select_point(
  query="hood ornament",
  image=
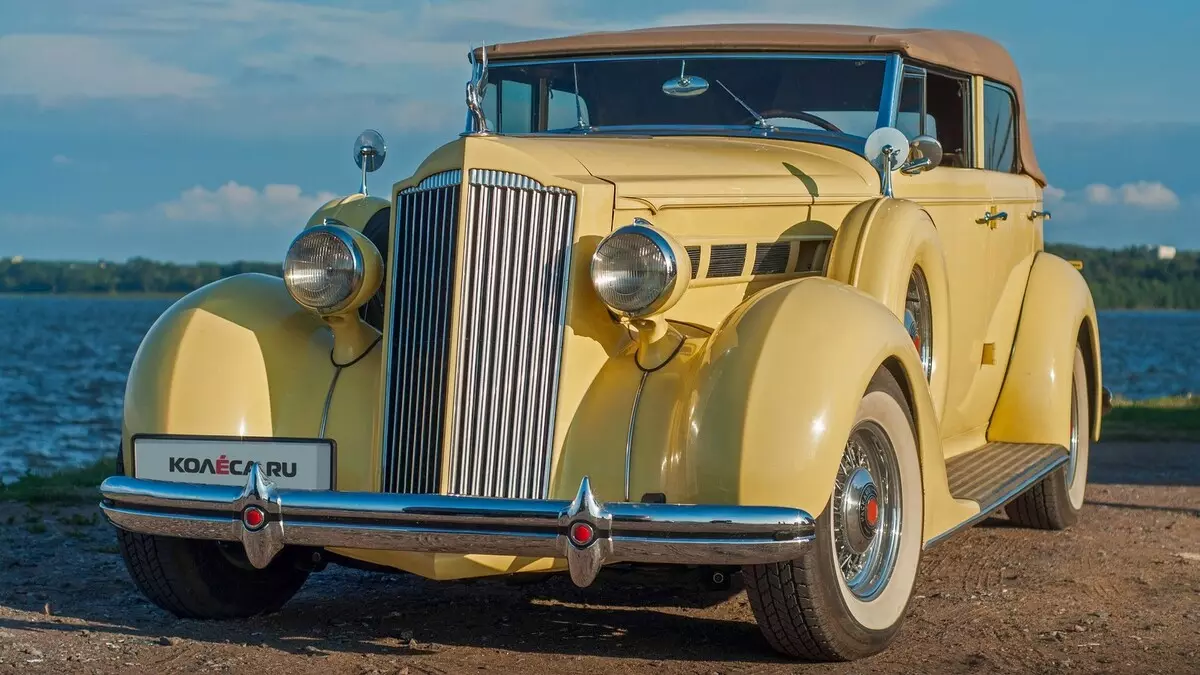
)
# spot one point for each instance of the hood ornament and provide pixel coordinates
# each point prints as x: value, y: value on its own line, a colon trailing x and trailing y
x: 476, y: 119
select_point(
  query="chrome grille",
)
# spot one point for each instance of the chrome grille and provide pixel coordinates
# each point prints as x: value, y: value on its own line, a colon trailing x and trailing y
x: 512, y: 307
x: 422, y: 264
x: 502, y: 330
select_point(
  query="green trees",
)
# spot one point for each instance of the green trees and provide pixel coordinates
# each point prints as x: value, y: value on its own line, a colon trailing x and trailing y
x: 1131, y: 278
x: 1135, y: 278
x: 136, y: 275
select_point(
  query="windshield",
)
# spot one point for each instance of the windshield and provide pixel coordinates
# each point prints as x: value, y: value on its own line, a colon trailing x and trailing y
x: 832, y: 94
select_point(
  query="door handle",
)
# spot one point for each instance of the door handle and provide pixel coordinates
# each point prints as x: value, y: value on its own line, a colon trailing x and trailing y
x: 1035, y: 214
x: 990, y: 218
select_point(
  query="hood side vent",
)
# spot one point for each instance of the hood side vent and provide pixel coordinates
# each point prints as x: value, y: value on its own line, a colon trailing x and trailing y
x: 771, y: 258
x: 693, y: 254
x: 726, y: 260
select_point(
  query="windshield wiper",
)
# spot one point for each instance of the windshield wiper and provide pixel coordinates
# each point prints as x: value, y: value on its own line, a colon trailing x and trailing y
x: 759, y: 121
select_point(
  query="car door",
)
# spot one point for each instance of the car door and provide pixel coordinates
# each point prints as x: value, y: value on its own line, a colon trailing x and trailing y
x: 1015, y: 230
x: 956, y: 195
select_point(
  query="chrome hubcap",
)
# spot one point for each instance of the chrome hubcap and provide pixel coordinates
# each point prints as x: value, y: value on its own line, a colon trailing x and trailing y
x: 866, y: 511
x: 919, y: 320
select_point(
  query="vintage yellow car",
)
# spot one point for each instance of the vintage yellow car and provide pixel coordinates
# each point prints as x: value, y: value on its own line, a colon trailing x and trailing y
x: 768, y: 298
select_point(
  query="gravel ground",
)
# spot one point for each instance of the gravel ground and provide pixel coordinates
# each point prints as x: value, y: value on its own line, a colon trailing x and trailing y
x: 1119, y: 593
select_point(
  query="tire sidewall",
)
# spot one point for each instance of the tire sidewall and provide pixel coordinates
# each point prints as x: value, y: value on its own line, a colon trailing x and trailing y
x: 867, y: 627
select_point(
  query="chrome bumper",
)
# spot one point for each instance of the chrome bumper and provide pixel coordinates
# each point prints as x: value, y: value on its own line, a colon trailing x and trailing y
x: 587, y: 533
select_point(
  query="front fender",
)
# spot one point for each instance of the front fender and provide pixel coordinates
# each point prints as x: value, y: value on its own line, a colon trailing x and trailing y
x: 1057, y: 315
x: 763, y: 417
x: 239, y: 357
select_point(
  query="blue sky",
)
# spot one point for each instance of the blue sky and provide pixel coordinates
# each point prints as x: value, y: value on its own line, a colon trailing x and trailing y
x: 210, y: 129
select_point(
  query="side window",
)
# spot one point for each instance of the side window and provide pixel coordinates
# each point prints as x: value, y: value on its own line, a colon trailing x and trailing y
x: 515, y: 115
x: 999, y: 129
x: 912, y: 118
x: 948, y: 104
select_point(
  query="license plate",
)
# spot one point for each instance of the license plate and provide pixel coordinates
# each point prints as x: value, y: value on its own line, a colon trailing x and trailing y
x: 303, y: 464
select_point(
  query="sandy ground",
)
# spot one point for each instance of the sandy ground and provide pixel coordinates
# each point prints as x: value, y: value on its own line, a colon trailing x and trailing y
x: 1119, y: 593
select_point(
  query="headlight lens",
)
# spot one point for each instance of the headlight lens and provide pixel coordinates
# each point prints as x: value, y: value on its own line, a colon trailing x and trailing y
x: 634, y: 270
x: 323, y: 269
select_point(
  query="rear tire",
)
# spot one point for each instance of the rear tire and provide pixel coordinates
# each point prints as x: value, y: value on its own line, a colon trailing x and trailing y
x: 807, y: 608
x: 195, y: 579
x: 1054, y: 503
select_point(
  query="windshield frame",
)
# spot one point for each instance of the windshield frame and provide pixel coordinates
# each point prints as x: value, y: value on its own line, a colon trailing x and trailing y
x: 886, y: 112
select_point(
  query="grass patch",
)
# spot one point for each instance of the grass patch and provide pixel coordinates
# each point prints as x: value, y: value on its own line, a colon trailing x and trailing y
x: 1174, y: 418
x: 69, y: 486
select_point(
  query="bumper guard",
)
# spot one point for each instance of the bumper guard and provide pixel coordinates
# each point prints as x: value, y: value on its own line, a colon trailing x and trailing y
x: 587, y: 533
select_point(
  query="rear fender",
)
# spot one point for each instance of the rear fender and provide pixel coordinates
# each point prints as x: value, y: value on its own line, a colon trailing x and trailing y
x: 1057, y: 315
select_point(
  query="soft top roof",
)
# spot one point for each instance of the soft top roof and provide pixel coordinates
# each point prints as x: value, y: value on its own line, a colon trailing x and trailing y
x: 957, y: 50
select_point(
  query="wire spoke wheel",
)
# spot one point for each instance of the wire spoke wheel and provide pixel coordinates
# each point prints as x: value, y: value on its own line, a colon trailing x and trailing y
x: 867, y: 511
x: 918, y: 319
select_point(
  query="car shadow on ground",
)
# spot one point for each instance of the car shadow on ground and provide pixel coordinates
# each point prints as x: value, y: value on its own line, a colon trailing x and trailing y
x: 342, y: 610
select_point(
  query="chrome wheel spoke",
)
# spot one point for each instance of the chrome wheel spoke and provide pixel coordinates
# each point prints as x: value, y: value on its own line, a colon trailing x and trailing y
x: 866, y: 510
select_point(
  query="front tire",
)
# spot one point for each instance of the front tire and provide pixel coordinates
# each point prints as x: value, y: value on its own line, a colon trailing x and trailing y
x: 195, y: 579
x: 1054, y: 503
x: 846, y: 597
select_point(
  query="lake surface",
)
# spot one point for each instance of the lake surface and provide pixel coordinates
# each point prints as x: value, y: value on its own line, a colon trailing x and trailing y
x: 62, y: 376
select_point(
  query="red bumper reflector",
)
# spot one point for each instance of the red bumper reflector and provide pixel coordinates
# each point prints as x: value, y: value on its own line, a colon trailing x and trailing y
x: 581, y: 534
x: 253, y: 518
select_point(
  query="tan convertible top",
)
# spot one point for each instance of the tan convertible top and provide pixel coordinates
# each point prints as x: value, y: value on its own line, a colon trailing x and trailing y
x: 964, y: 52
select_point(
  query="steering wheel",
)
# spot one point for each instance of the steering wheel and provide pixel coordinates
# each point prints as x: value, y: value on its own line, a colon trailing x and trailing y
x: 797, y: 115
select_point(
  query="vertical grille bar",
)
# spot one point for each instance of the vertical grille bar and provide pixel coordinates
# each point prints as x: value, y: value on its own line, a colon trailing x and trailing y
x: 510, y: 322
x: 511, y: 311
x: 423, y: 243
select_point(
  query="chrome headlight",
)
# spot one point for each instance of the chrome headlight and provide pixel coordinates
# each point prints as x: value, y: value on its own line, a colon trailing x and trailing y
x: 636, y: 270
x: 325, y: 269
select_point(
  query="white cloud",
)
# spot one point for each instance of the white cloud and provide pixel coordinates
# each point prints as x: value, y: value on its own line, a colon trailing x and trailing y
x: 1053, y: 194
x: 61, y: 160
x: 53, y: 68
x: 1142, y: 194
x: 1100, y: 194
x: 274, y: 205
x: 1149, y: 195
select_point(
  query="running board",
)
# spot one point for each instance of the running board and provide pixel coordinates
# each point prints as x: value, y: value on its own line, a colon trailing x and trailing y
x: 996, y: 474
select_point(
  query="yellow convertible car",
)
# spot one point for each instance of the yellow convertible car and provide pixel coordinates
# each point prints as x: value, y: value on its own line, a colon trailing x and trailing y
x: 768, y: 298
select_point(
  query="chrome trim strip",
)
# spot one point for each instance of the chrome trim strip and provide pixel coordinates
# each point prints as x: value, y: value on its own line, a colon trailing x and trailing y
x: 655, y: 533
x: 435, y: 181
x: 337, y: 371
x: 1019, y: 484
x: 637, y: 399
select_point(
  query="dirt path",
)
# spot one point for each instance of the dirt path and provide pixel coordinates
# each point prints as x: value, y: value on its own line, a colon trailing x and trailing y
x: 1119, y: 593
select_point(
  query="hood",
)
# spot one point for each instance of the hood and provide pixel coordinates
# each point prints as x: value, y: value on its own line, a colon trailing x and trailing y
x: 697, y: 170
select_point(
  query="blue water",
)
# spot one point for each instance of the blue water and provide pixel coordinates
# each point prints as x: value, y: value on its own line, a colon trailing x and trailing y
x: 62, y: 374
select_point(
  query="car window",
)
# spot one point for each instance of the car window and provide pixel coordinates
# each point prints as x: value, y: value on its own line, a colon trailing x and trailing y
x: 909, y: 118
x: 948, y: 103
x: 516, y: 101
x: 561, y: 112
x: 999, y: 129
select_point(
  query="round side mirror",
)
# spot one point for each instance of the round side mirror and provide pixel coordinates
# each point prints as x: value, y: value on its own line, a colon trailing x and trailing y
x: 369, y: 150
x: 927, y: 147
x: 887, y: 148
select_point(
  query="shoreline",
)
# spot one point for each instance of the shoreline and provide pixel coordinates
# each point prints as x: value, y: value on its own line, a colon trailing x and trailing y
x: 1165, y: 420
